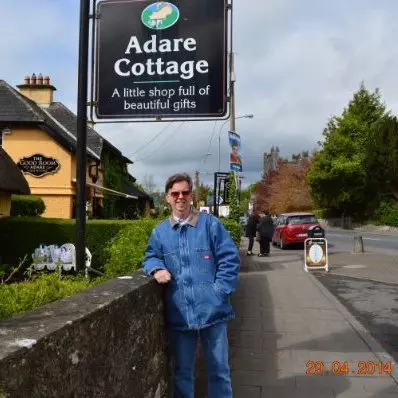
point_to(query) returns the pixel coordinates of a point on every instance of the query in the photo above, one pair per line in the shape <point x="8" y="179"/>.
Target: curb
<point x="365" y="279"/>
<point x="362" y="332"/>
<point x="390" y="233"/>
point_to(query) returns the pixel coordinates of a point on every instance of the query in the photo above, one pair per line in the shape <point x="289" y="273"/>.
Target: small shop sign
<point x="316" y="254"/>
<point x="38" y="165"/>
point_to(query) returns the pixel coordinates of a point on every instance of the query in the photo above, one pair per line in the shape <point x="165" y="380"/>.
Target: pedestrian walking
<point x="266" y="231"/>
<point x="251" y="230"/>
<point x="194" y="256"/>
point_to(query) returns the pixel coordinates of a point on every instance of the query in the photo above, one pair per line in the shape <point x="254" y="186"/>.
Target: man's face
<point x="179" y="197"/>
<point x="235" y="150"/>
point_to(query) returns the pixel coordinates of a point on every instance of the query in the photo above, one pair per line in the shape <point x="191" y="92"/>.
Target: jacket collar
<point x="192" y="221"/>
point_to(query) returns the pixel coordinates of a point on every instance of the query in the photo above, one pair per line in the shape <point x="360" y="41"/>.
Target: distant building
<point x="271" y="160"/>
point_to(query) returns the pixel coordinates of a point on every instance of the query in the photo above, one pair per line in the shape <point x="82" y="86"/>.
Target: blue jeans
<point x="215" y="349"/>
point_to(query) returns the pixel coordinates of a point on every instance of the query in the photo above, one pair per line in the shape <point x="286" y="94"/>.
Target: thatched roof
<point x="11" y="178"/>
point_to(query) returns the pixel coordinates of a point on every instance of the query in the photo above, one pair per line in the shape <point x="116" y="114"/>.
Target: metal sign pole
<point x="81" y="152"/>
<point x="215" y="205"/>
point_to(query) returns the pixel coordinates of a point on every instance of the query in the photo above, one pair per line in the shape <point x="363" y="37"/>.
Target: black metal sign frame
<point x="220" y="186"/>
<point x="95" y="75"/>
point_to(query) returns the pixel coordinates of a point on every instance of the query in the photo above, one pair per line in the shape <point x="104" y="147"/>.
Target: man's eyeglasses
<point x="176" y="194"/>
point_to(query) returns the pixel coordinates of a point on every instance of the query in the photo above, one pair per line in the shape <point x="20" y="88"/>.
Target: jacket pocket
<point x="219" y="293"/>
<point x="205" y="264"/>
<point x="210" y="306"/>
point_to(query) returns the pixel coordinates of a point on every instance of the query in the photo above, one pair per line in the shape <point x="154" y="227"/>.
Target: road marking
<point x="370" y="238"/>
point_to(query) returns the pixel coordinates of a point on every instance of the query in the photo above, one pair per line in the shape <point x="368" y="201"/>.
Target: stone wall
<point x="108" y="341"/>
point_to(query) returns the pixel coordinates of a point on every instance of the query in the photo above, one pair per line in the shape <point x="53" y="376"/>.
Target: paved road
<point x="340" y="241"/>
<point x="374" y="304"/>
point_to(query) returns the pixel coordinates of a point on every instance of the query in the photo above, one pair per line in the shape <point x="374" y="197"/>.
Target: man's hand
<point x="162" y="276"/>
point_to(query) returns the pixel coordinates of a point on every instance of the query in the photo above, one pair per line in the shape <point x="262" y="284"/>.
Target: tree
<point x="234" y="212"/>
<point x="245" y="198"/>
<point x="149" y="184"/>
<point x="382" y="160"/>
<point x="338" y="176"/>
<point x="261" y="191"/>
<point x="203" y="192"/>
<point x="288" y="191"/>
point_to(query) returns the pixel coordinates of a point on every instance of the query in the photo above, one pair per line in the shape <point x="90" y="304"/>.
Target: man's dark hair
<point x="179" y="177"/>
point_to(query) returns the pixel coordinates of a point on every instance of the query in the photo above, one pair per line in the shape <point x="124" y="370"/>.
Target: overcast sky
<point x="297" y="63"/>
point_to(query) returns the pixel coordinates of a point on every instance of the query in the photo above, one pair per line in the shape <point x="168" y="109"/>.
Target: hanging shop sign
<point x="38" y="165"/>
<point x="161" y="59"/>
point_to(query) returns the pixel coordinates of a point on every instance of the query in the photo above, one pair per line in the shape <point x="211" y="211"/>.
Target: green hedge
<point x="233" y="228"/>
<point x="27" y="205"/>
<point x="387" y="214"/>
<point x="321" y="213"/>
<point x="104" y="238"/>
<point x="126" y="250"/>
<point x="118" y="248"/>
<point x="21" y="235"/>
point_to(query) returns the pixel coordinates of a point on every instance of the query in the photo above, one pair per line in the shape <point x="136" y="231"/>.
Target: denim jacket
<point x="204" y="265"/>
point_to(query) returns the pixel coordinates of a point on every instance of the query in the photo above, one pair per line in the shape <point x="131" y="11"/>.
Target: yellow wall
<point x="5" y="204"/>
<point x="55" y="189"/>
<point x="58" y="206"/>
<point x="40" y="95"/>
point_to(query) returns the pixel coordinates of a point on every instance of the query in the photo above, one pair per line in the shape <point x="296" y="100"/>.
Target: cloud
<point x="297" y="63"/>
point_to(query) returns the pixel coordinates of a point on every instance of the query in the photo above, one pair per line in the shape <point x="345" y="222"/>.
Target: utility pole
<point x="232" y="74"/>
<point x="81" y="151"/>
<point x="232" y="90"/>
<point x="232" y="94"/>
<point x="197" y="184"/>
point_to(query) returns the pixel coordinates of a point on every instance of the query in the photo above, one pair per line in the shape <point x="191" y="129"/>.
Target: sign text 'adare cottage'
<point x="186" y="70"/>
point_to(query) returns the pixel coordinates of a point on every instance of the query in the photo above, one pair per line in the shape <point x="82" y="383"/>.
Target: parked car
<point x="292" y="228"/>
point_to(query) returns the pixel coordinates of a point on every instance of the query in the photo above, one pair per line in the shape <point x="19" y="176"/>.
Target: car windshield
<point x="306" y="219"/>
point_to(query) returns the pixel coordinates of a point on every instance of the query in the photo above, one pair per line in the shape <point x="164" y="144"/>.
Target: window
<point x="306" y="219"/>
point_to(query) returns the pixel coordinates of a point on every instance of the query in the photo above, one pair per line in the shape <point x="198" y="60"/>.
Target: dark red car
<point x="292" y="228"/>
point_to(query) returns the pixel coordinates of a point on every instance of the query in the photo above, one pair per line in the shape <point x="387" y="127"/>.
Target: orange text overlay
<point x="361" y="368"/>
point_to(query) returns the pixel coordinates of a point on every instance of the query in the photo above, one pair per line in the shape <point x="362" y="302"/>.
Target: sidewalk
<point x="286" y="318"/>
<point x="372" y="266"/>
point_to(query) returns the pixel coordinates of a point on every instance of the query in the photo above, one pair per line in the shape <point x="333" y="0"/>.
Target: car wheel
<point x="274" y="243"/>
<point x="282" y="244"/>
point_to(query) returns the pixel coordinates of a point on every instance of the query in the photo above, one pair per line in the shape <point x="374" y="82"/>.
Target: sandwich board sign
<point x="158" y="59"/>
<point x="316" y="254"/>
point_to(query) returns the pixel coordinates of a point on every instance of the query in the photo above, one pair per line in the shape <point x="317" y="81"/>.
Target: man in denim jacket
<point x="195" y="256"/>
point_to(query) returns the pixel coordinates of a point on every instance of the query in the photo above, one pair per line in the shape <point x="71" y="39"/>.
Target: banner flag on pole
<point x="235" y="160"/>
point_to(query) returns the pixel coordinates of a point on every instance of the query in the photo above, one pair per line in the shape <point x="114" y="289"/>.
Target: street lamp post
<point x="247" y="116"/>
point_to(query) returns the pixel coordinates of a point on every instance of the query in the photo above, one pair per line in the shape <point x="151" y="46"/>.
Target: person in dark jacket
<point x="266" y="231"/>
<point x="251" y="230"/>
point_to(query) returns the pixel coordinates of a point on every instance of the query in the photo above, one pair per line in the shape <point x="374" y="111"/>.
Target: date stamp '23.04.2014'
<point x="344" y="368"/>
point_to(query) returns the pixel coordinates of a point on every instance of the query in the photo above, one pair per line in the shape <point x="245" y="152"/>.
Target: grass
<point x="17" y="298"/>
